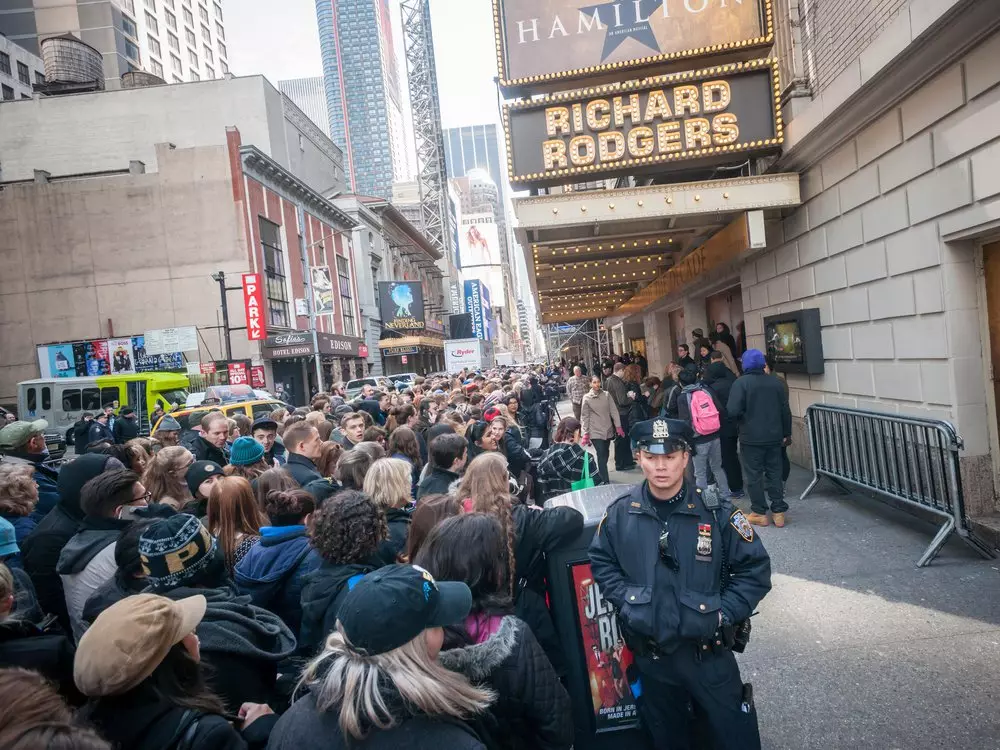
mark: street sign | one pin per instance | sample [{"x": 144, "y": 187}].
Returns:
[
  {"x": 207, "y": 368},
  {"x": 253, "y": 302},
  {"x": 170, "y": 340}
]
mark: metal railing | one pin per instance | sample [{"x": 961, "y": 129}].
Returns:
[{"x": 909, "y": 459}]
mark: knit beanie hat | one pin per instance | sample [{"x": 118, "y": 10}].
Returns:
[
  {"x": 198, "y": 472},
  {"x": 175, "y": 550},
  {"x": 168, "y": 424},
  {"x": 753, "y": 359},
  {"x": 245, "y": 451}
]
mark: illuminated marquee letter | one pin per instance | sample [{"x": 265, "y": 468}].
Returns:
[
  {"x": 697, "y": 133},
  {"x": 631, "y": 109},
  {"x": 595, "y": 121},
  {"x": 716, "y": 95},
  {"x": 557, "y": 121},
  {"x": 604, "y": 143},
  {"x": 657, "y": 107},
  {"x": 725, "y": 129},
  {"x": 554, "y": 154},
  {"x": 589, "y": 152},
  {"x": 686, "y": 100},
  {"x": 640, "y": 141},
  {"x": 668, "y": 137}
]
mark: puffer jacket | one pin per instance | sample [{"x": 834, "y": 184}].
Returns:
[{"x": 532, "y": 709}]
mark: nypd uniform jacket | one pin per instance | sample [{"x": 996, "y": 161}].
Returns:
[{"x": 666, "y": 606}]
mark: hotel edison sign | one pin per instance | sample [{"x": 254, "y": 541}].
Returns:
[
  {"x": 703, "y": 114},
  {"x": 543, "y": 41}
]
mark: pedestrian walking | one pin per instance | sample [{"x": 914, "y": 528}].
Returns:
[
  {"x": 619, "y": 391},
  {"x": 576, "y": 388},
  {"x": 600, "y": 422},
  {"x": 759, "y": 404},
  {"x": 702, "y": 411},
  {"x": 720, "y": 379}
]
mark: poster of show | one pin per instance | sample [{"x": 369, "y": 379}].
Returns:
[
  {"x": 401, "y": 304},
  {"x": 480, "y": 255},
  {"x": 121, "y": 356},
  {"x": 606, "y": 656}
]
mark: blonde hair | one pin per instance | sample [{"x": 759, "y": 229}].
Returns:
[
  {"x": 316, "y": 418},
  {"x": 388, "y": 483},
  {"x": 139, "y": 450},
  {"x": 18, "y": 491},
  {"x": 161, "y": 479},
  {"x": 486, "y": 483},
  {"x": 342, "y": 679}
]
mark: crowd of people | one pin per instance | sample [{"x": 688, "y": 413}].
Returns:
[{"x": 358, "y": 573}]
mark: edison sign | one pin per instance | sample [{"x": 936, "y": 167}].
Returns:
[{"x": 705, "y": 114}]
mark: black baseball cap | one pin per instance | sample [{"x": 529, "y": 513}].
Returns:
[
  {"x": 391, "y": 606},
  {"x": 662, "y": 436},
  {"x": 264, "y": 422}
]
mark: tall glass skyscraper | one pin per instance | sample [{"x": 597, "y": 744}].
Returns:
[
  {"x": 475, "y": 147},
  {"x": 361, "y": 75}
]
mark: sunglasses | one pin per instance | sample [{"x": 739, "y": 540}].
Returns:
[{"x": 665, "y": 554}]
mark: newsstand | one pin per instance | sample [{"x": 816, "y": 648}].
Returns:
[{"x": 598, "y": 662}]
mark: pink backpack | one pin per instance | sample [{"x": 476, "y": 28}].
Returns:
[{"x": 704, "y": 416}]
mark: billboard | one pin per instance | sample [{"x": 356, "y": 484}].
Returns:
[
  {"x": 169, "y": 340},
  {"x": 401, "y": 305},
  {"x": 545, "y": 41},
  {"x": 122, "y": 356},
  {"x": 322, "y": 290},
  {"x": 477, "y": 303},
  {"x": 480, "y": 252},
  {"x": 253, "y": 303},
  {"x": 652, "y": 123}
]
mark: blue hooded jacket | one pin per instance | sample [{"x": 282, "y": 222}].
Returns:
[{"x": 274, "y": 572}]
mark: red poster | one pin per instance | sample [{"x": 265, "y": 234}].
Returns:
[
  {"x": 605, "y": 652},
  {"x": 363, "y": 351},
  {"x": 238, "y": 374},
  {"x": 253, "y": 301},
  {"x": 257, "y": 376},
  {"x": 207, "y": 368}
]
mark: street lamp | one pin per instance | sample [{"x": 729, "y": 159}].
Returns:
[{"x": 220, "y": 277}]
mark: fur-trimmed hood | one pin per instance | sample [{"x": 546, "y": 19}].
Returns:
[{"x": 478, "y": 661}]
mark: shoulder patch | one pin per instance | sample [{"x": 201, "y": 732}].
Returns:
[{"x": 742, "y": 525}]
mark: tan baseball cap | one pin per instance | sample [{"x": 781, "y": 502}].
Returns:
[{"x": 130, "y": 639}]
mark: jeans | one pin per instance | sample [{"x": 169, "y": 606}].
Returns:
[
  {"x": 710, "y": 454},
  {"x": 731, "y": 463},
  {"x": 603, "y": 449},
  {"x": 762, "y": 464}
]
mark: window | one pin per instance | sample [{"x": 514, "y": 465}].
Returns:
[
  {"x": 222, "y": 50},
  {"x": 71, "y": 400},
  {"x": 188, "y": 18},
  {"x": 46, "y": 398},
  {"x": 219, "y": 30},
  {"x": 129, "y": 6},
  {"x": 193, "y": 58},
  {"x": 92, "y": 399},
  {"x": 131, "y": 50},
  {"x": 152, "y": 24},
  {"x": 225, "y": 68},
  {"x": 22, "y": 74},
  {"x": 209, "y": 71},
  {"x": 32, "y": 399},
  {"x": 157, "y": 68},
  {"x": 4, "y": 63},
  {"x": 151, "y": 4},
  {"x": 218, "y": 12},
  {"x": 189, "y": 38},
  {"x": 128, "y": 26},
  {"x": 346, "y": 301},
  {"x": 206, "y": 35},
  {"x": 108, "y": 396},
  {"x": 39, "y": 79},
  {"x": 154, "y": 46},
  {"x": 178, "y": 79},
  {"x": 274, "y": 274},
  {"x": 195, "y": 76},
  {"x": 175, "y": 63},
  {"x": 209, "y": 57},
  {"x": 203, "y": 13},
  {"x": 171, "y": 21},
  {"x": 169, "y": 4},
  {"x": 173, "y": 43}
]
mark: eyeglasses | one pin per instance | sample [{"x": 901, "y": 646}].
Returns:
[
  {"x": 665, "y": 554},
  {"x": 143, "y": 498}
]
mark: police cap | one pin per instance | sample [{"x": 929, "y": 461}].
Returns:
[{"x": 661, "y": 436}]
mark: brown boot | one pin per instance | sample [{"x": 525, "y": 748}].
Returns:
[
  {"x": 758, "y": 519},
  {"x": 779, "y": 519}
]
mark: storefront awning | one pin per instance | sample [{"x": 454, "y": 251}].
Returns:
[
  {"x": 590, "y": 252},
  {"x": 411, "y": 341}
]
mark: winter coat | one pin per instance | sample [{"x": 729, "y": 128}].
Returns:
[
  {"x": 205, "y": 451},
  {"x": 302, "y": 469},
  {"x": 86, "y": 563},
  {"x": 46, "y": 479},
  {"x": 759, "y": 404},
  {"x": 321, "y": 598},
  {"x": 277, "y": 456},
  {"x": 23, "y": 526},
  {"x": 125, "y": 429},
  {"x": 98, "y": 432},
  {"x": 41, "y": 550},
  {"x": 560, "y": 467},
  {"x": 599, "y": 416},
  {"x": 577, "y": 387},
  {"x": 81, "y": 431},
  {"x": 399, "y": 531},
  {"x": 720, "y": 379},
  {"x": 23, "y": 644},
  {"x": 638, "y": 410},
  {"x": 517, "y": 457},
  {"x": 111, "y": 592},
  {"x": 684, "y": 412},
  {"x": 243, "y": 645},
  {"x": 532, "y": 709},
  {"x": 142, "y": 720},
  {"x": 274, "y": 572},
  {"x": 303, "y": 727},
  {"x": 618, "y": 390},
  {"x": 414, "y": 473},
  {"x": 726, "y": 337},
  {"x": 436, "y": 482}
]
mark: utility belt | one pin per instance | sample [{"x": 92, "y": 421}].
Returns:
[{"x": 733, "y": 637}]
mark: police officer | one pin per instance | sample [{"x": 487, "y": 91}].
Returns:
[{"x": 684, "y": 570}]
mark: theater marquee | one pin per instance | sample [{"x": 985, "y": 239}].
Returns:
[
  {"x": 700, "y": 115},
  {"x": 544, "y": 41}
]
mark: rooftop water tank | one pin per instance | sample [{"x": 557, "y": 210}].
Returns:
[
  {"x": 137, "y": 79},
  {"x": 69, "y": 61}
]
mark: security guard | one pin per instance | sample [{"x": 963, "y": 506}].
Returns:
[{"x": 685, "y": 571}]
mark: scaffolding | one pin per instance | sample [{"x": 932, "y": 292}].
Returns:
[{"x": 591, "y": 339}]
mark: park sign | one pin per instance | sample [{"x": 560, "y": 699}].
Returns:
[
  {"x": 542, "y": 43},
  {"x": 706, "y": 115}
]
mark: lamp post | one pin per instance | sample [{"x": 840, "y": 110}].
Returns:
[{"x": 220, "y": 277}]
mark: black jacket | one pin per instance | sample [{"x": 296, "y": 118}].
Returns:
[
  {"x": 399, "y": 531},
  {"x": 684, "y": 412},
  {"x": 670, "y": 607},
  {"x": 302, "y": 469},
  {"x": 303, "y": 727},
  {"x": 619, "y": 394},
  {"x": 720, "y": 379},
  {"x": 97, "y": 432},
  {"x": 23, "y": 644},
  {"x": 561, "y": 466},
  {"x": 81, "y": 431},
  {"x": 437, "y": 482},
  {"x": 110, "y": 593},
  {"x": 759, "y": 404},
  {"x": 40, "y": 551},
  {"x": 321, "y": 598},
  {"x": 142, "y": 720},
  {"x": 125, "y": 429},
  {"x": 205, "y": 451},
  {"x": 517, "y": 457},
  {"x": 532, "y": 709}
]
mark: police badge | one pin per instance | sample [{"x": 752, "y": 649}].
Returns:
[
  {"x": 703, "y": 551},
  {"x": 661, "y": 431},
  {"x": 742, "y": 525}
]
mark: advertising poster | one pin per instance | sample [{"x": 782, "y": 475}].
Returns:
[
  {"x": 401, "y": 304},
  {"x": 322, "y": 290},
  {"x": 477, "y": 305},
  {"x": 80, "y": 357},
  {"x": 238, "y": 373},
  {"x": 479, "y": 251},
  {"x": 606, "y": 655},
  {"x": 257, "y": 376},
  {"x": 98, "y": 359},
  {"x": 62, "y": 363},
  {"x": 122, "y": 356},
  {"x": 145, "y": 362}
]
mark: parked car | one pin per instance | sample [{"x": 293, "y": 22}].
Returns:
[
  {"x": 379, "y": 383},
  {"x": 403, "y": 380}
]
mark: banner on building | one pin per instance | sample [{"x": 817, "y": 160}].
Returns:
[
  {"x": 145, "y": 362},
  {"x": 170, "y": 340},
  {"x": 605, "y": 654},
  {"x": 60, "y": 361},
  {"x": 194, "y": 368},
  {"x": 477, "y": 303},
  {"x": 238, "y": 373},
  {"x": 709, "y": 116},
  {"x": 481, "y": 253},
  {"x": 540, "y": 43},
  {"x": 322, "y": 290},
  {"x": 257, "y": 376},
  {"x": 253, "y": 303},
  {"x": 122, "y": 356},
  {"x": 401, "y": 305}
]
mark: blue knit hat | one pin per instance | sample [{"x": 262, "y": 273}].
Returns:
[
  {"x": 245, "y": 451},
  {"x": 753, "y": 359},
  {"x": 8, "y": 539}
]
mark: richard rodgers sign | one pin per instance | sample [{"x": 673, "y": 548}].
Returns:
[{"x": 704, "y": 114}]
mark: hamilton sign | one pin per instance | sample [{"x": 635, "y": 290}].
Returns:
[{"x": 700, "y": 115}]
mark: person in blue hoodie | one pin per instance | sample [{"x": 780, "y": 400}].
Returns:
[{"x": 274, "y": 572}]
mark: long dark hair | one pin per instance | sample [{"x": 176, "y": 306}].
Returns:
[
  {"x": 430, "y": 511},
  {"x": 180, "y": 680},
  {"x": 403, "y": 440}
]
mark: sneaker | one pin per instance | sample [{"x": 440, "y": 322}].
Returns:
[
  {"x": 779, "y": 520},
  {"x": 739, "y": 495},
  {"x": 758, "y": 519}
]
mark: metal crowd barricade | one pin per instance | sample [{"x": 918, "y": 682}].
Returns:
[{"x": 910, "y": 459}]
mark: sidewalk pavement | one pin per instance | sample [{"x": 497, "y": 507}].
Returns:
[{"x": 855, "y": 647}]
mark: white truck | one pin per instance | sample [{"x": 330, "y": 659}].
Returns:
[
  {"x": 468, "y": 354},
  {"x": 505, "y": 358}
]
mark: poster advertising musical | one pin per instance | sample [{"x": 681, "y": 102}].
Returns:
[
  {"x": 606, "y": 655},
  {"x": 122, "y": 356},
  {"x": 98, "y": 359}
]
